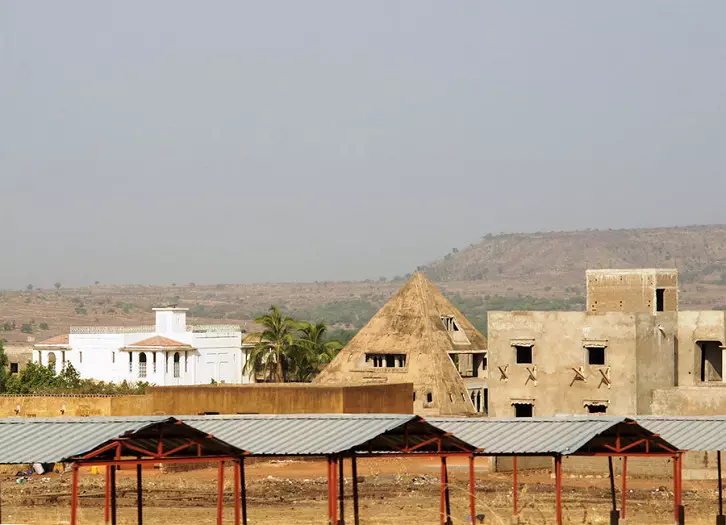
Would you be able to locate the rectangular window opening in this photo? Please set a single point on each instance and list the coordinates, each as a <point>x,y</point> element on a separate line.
<point>595,355</point>
<point>659,299</point>
<point>523,410</point>
<point>13,368</point>
<point>597,409</point>
<point>386,360</point>
<point>523,355</point>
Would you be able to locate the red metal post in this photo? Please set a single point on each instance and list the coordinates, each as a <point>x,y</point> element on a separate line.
<point>442,503</point>
<point>558,489</point>
<point>680,490</point>
<point>244,490</point>
<point>74,496</point>
<point>331,493</point>
<point>139,496</point>
<point>237,493</point>
<point>107,498</point>
<point>334,488</point>
<point>677,487</point>
<point>624,491</point>
<point>472,490</point>
<point>220,492</point>
<point>515,471</point>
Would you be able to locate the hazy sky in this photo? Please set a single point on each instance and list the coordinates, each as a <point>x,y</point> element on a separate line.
<point>243,141</point>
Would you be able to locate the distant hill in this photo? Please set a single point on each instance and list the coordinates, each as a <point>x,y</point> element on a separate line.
<point>537,271</point>
<point>561,258</point>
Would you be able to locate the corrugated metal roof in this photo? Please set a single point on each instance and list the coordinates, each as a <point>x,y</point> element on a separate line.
<point>28,440</point>
<point>297,434</point>
<point>688,433</point>
<point>528,436</point>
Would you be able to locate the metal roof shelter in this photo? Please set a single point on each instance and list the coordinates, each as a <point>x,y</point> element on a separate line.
<point>50,440</point>
<point>567,435</point>
<point>697,433</point>
<point>326,434</point>
<point>338,436</point>
<point>112,442</point>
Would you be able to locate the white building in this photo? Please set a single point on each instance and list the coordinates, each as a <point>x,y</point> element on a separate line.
<point>170,353</point>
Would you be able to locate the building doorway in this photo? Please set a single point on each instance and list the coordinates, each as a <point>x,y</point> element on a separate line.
<point>711,364</point>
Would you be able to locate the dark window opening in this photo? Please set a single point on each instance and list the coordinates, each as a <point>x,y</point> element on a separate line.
<point>13,368</point>
<point>414,396</point>
<point>659,299</point>
<point>524,355</point>
<point>597,409</point>
<point>711,360</point>
<point>429,397</point>
<point>208,413</point>
<point>386,360</point>
<point>523,410</point>
<point>595,355</point>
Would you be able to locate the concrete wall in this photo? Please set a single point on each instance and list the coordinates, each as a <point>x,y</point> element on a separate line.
<point>631,290</point>
<point>690,401</point>
<point>78,405</point>
<point>252,399</point>
<point>656,355</point>
<point>559,346</point>
<point>20,353</point>
<point>694,327</point>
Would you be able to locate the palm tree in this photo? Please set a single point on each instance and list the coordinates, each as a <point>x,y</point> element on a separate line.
<point>312,350</point>
<point>273,346</point>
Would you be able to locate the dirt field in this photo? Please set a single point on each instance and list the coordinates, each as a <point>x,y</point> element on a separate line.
<point>393,491</point>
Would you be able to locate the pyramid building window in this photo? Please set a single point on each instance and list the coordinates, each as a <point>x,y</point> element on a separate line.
<point>455,332</point>
<point>386,360</point>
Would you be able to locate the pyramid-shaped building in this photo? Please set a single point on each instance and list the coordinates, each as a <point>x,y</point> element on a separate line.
<point>409,341</point>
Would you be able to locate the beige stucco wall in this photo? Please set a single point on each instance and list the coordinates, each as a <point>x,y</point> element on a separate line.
<point>558,348</point>
<point>655,356</point>
<point>241,399</point>
<point>695,326</point>
<point>707,400</point>
<point>630,290</point>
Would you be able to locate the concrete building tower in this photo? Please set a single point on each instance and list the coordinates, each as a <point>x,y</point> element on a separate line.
<point>632,291</point>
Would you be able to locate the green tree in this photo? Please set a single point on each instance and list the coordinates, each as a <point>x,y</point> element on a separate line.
<point>33,379</point>
<point>312,350</point>
<point>273,346</point>
<point>4,372</point>
<point>69,378</point>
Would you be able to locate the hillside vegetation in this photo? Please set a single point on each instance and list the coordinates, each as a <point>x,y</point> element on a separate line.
<point>538,271</point>
<point>561,258</point>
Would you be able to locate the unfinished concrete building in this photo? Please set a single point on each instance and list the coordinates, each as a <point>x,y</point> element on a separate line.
<point>418,337</point>
<point>631,352</point>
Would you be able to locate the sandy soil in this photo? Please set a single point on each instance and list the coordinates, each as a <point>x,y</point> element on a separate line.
<point>393,491</point>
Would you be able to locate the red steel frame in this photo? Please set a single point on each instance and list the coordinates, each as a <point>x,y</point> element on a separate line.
<point>624,490</point>
<point>121,445</point>
<point>515,485</point>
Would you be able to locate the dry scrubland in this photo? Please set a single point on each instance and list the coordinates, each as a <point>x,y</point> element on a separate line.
<point>519,271</point>
<point>393,491</point>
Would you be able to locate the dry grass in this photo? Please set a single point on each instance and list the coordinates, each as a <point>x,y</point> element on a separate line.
<point>393,492</point>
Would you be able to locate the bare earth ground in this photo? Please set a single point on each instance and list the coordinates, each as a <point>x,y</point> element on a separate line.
<point>394,491</point>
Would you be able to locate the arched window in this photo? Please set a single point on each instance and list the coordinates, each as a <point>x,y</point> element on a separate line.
<point>142,364</point>
<point>176,364</point>
<point>51,361</point>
